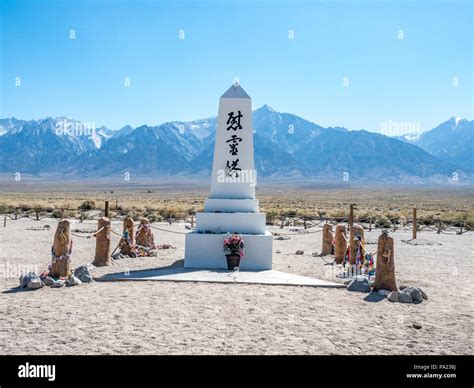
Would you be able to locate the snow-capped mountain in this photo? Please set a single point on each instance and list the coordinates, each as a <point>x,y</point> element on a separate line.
<point>451,141</point>
<point>285,146</point>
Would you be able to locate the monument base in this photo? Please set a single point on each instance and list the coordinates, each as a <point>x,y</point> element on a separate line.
<point>205,250</point>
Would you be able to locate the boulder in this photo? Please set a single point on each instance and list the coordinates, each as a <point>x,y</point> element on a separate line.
<point>83,274</point>
<point>360,284</point>
<point>31,280</point>
<point>73,281</point>
<point>383,292</point>
<point>423,294</point>
<point>393,296</point>
<point>405,297</point>
<point>299,252</point>
<point>34,284</point>
<point>415,294</point>
<point>57,283</point>
<point>24,279</point>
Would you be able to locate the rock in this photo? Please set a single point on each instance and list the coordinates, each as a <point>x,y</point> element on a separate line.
<point>278,251</point>
<point>57,283</point>
<point>405,297</point>
<point>31,280</point>
<point>83,274</point>
<point>73,281</point>
<point>415,294</point>
<point>299,252</point>
<point>47,280</point>
<point>34,284</point>
<point>393,296</point>
<point>423,294</point>
<point>383,292</point>
<point>24,279</point>
<point>360,284</point>
<point>417,326</point>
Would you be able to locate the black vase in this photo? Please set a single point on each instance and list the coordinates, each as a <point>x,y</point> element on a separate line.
<point>233,261</point>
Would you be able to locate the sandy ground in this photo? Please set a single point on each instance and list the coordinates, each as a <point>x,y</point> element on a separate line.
<point>153,317</point>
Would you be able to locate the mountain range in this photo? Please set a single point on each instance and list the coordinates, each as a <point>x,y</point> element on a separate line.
<point>286,146</point>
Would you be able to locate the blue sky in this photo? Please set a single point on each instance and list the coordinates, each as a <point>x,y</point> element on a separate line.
<point>402,80</point>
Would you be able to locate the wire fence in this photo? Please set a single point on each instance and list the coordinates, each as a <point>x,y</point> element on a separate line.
<point>295,224</point>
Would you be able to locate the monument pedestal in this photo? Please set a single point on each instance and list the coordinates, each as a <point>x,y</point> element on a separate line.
<point>231,207</point>
<point>205,250</point>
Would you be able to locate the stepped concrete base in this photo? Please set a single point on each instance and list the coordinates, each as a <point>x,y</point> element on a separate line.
<point>251,223</point>
<point>205,250</point>
<point>227,205</point>
<point>174,274</point>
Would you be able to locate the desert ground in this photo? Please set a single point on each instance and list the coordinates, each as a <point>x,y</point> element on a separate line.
<point>151,317</point>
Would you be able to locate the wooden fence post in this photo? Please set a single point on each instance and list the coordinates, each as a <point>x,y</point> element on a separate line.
<point>353,232</point>
<point>282,221</point>
<point>385,273</point>
<point>4,221</point>
<point>62,245</point>
<point>327,240</point>
<point>304,222</point>
<point>106,210</point>
<point>414,223</point>
<point>192,220</point>
<point>351,215</point>
<point>16,213</point>
<point>340,246</point>
<point>439,227</point>
<point>462,224</point>
<point>102,244</point>
<point>370,224</point>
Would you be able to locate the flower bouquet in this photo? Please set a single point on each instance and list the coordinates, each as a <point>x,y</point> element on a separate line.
<point>234,251</point>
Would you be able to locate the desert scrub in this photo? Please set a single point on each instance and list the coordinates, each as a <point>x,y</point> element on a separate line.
<point>87,205</point>
<point>383,222</point>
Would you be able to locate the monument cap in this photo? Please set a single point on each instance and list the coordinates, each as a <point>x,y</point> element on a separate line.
<point>235,91</point>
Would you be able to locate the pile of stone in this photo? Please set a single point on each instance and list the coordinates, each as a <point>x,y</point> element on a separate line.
<point>33,281</point>
<point>408,295</point>
<point>404,295</point>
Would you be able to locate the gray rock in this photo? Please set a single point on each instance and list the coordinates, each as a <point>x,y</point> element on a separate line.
<point>415,294</point>
<point>393,296</point>
<point>299,252</point>
<point>83,274</point>
<point>360,284</point>
<point>31,280</point>
<point>57,283</point>
<point>383,292</point>
<point>47,280</point>
<point>35,283</point>
<point>25,279</point>
<point>405,297</point>
<point>423,294</point>
<point>73,281</point>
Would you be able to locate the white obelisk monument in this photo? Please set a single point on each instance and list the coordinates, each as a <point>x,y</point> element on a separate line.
<point>231,206</point>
